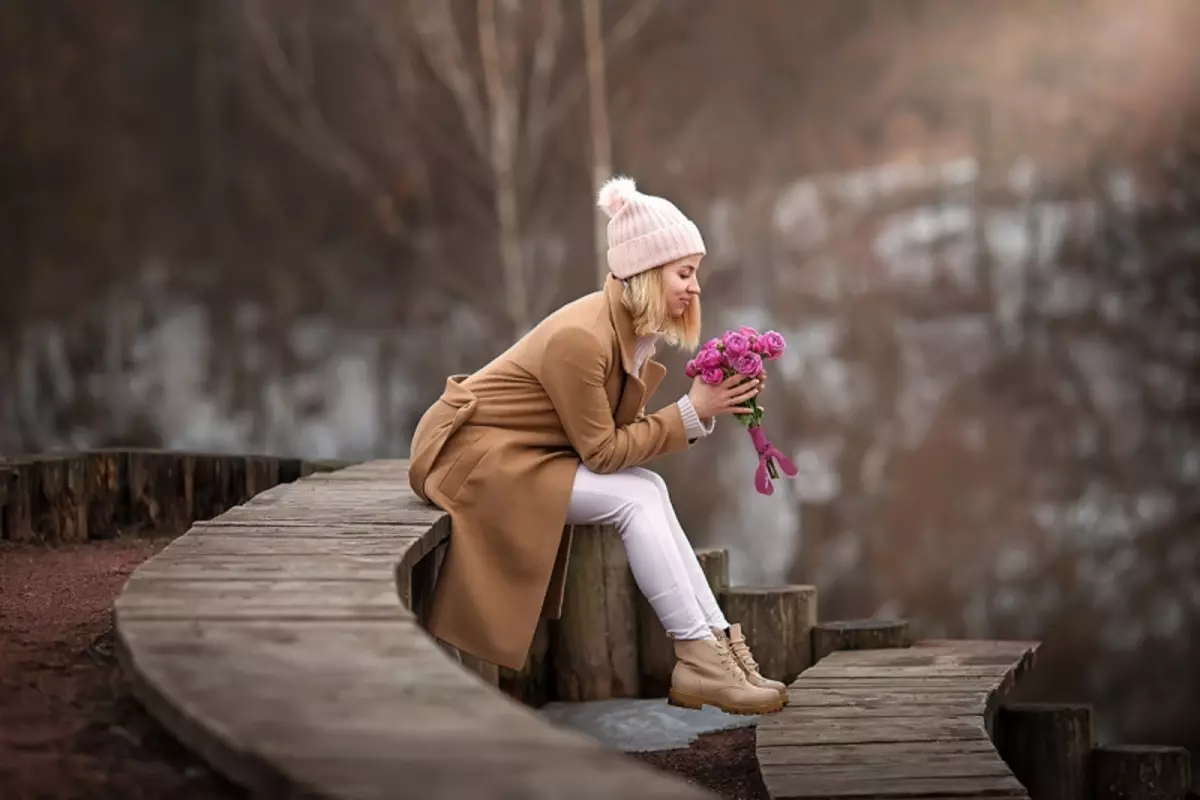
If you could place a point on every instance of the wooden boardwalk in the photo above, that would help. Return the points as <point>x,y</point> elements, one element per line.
<point>903,723</point>
<point>272,641</point>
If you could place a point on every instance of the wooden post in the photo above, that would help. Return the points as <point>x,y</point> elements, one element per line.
<point>1048,747</point>
<point>1140,772</point>
<point>107,498</point>
<point>594,643</point>
<point>160,492</point>
<point>17,522</point>
<point>858,634</point>
<point>534,684</point>
<point>219,484</point>
<point>262,473</point>
<point>777,622</point>
<point>58,498</point>
<point>656,653</point>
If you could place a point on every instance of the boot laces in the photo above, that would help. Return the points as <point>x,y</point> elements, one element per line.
<point>742,651</point>
<point>728,660</point>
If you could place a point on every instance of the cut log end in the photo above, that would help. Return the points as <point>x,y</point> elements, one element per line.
<point>777,622</point>
<point>1048,747</point>
<point>858,634</point>
<point>656,653</point>
<point>594,643</point>
<point>1141,772</point>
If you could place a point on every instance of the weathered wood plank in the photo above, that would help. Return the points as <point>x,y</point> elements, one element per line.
<point>865,731</point>
<point>274,642</point>
<point>789,787</point>
<point>903,722</point>
<point>883,753</point>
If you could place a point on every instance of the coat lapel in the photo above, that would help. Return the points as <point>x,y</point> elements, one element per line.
<point>634,389</point>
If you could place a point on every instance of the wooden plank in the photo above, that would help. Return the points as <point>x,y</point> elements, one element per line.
<point>910,683</point>
<point>801,696</point>
<point>169,598</point>
<point>288,546</point>
<point>815,713</point>
<point>336,530</point>
<point>823,670</point>
<point>968,765</point>
<point>304,566</point>
<point>356,710</point>
<point>884,753</point>
<point>866,784</point>
<point>864,731</point>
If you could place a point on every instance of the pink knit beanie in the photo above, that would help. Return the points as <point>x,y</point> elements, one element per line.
<point>644,231</point>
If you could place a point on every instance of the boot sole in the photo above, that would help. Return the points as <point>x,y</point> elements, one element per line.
<point>694,703</point>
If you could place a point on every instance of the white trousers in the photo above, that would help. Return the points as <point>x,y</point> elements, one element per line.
<point>663,562</point>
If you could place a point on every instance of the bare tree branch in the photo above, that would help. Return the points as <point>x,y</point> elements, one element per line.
<point>545,56</point>
<point>499,71</point>
<point>439,39</point>
<point>621,36</point>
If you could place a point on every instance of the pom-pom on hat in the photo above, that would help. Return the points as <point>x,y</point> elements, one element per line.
<point>644,231</point>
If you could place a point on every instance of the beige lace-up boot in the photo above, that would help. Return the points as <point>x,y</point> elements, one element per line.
<point>706,673</point>
<point>745,659</point>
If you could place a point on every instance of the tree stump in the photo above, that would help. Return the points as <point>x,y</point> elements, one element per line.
<point>777,622</point>
<point>656,654</point>
<point>858,634</point>
<point>262,473</point>
<point>533,685</point>
<point>219,484</point>
<point>58,498</point>
<point>1048,747</point>
<point>17,523</point>
<point>107,499</point>
<point>160,491</point>
<point>1140,772</point>
<point>594,643</point>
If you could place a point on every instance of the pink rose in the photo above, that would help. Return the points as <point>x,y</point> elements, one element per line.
<point>692,369</point>
<point>771,345</point>
<point>749,364</point>
<point>710,359</point>
<point>713,344</point>
<point>713,375</point>
<point>748,332</point>
<point>736,343</point>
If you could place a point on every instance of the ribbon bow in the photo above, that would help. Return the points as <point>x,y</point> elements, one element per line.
<point>768,455</point>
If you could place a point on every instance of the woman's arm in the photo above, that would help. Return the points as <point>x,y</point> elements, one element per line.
<point>574,370</point>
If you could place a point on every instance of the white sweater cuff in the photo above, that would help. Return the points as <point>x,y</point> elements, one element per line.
<point>695,428</point>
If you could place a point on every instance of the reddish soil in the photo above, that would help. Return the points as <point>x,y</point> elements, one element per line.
<point>68,725</point>
<point>721,762</point>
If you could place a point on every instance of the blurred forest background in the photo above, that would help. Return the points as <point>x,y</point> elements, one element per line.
<point>275,226</point>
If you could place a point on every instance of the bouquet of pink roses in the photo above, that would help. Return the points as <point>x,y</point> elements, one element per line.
<point>742,352</point>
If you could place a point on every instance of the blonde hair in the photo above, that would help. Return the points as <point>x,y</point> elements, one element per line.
<point>646,302</point>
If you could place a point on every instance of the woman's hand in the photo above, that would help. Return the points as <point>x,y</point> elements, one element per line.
<point>726,397</point>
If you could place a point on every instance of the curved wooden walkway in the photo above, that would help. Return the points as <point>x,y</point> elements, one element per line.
<point>895,723</point>
<point>272,640</point>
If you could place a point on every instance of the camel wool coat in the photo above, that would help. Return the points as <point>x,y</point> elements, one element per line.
<point>499,451</point>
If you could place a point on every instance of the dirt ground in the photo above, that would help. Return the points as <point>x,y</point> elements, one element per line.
<point>69,727</point>
<point>722,762</point>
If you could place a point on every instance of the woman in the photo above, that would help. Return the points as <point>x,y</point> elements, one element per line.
<point>554,432</point>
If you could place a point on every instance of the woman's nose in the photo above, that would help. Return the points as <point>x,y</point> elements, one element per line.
<point>694,288</point>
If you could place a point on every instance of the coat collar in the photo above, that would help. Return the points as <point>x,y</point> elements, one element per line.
<point>622,322</point>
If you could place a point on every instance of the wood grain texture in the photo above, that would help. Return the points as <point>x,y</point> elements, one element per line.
<point>656,651</point>
<point>777,622</point>
<point>1049,747</point>
<point>1141,772</point>
<point>911,722</point>
<point>594,643</point>
<point>273,642</point>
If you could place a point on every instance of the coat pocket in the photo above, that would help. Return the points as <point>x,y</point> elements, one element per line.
<point>466,461</point>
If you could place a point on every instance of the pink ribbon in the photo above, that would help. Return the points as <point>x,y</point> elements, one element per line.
<point>766,453</point>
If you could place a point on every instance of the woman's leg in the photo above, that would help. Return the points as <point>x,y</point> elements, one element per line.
<point>696,577</point>
<point>634,505</point>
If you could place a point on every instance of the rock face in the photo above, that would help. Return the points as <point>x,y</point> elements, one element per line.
<point>641,726</point>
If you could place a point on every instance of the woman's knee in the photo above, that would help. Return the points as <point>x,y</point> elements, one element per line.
<point>656,480</point>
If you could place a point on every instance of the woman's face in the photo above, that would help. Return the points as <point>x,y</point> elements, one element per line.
<point>681,285</point>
